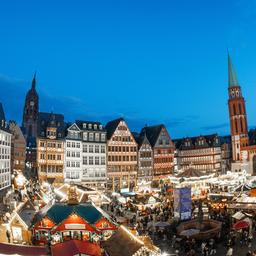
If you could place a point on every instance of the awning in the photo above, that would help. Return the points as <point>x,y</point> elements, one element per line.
<point>238,215</point>
<point>241,225</point>
<point>76,247</point>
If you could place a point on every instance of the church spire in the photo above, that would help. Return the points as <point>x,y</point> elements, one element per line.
<point>232,78</point>
<point>34,82</point>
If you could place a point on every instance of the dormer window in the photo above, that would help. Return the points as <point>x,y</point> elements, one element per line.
<point>95,127</point>
<point>84,125</point>
<point>90,126</point>
<point>100,127</point>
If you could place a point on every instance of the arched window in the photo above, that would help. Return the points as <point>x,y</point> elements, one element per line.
<point>234,109</point>
<point>236,126</point>
<point>241,123</point>
<point>240,108</point>
<point>238,156</point>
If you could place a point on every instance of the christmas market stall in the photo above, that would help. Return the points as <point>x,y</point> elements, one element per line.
<point>67,221</point>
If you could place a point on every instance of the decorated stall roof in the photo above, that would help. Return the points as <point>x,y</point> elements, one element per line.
<point>60,211</point>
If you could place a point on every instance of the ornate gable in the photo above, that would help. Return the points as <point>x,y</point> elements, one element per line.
<point>74,127</point>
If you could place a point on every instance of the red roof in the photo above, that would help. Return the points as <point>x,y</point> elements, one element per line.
<point>73,247</point>
<point>23,250</point>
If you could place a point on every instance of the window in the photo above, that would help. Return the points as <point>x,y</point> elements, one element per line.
<point>97,160</point>
<point>103,149</point>
<point>84,159</point>
<point>68,153</point>
<point>85,136</point>
<point>59,145</point>
<point>234,109</point>
<point>90,160</point>
<point>97,136</point>
<point>84,125</point>
<point>73,144</point>
<point>103,137</point>
<point>73,154</point>
<point>90,136</point>
<point>58,157</point>
<point>97,148</point>
<point>78,145</point>
<point>77,164</point>
<point>68,144</point>
<point>77,154</point>
<point>90,148</point>
<point>103,160</point>
<point>84,148</point>
<point>95,127</point>
<point>90,126</point>
<point>73,164</point>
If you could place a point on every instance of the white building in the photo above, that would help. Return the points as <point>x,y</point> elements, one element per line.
<point>85,154</point>
<point>5,152</point>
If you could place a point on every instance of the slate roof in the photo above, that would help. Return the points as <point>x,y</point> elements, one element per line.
<point>59,212</point>
<point>152,133</point>
<point>140,138</point>
<point>80,123</point>
<point>111,127</point>
<point>2,115</point>
<point>3,125</point>
<point>209,142</point>
<point>50,120</point>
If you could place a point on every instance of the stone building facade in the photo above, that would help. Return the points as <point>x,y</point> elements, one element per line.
<point>85,156</point>
<point>5,152</point>
<point>50,147</point>
<point>122,155</point>
<point>18,147</point>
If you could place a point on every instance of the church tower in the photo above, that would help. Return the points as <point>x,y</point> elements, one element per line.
<point>237,114</point>
<point>30,112</point>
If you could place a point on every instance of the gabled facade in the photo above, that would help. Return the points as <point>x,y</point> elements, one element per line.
<point>122,155</point>
<point>145,158</point>
<point>5,152</point>
<point>50,147</point>
<point>85,156</point>
<point>163,150</point>
<point>18,149</point>
<point>201,153</point>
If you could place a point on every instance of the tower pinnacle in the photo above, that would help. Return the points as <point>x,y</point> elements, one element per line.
<point>232,78</point>
<point>34,81</point>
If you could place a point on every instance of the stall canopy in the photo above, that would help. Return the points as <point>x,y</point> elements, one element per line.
<point>241,224</point>
<point>76,247</point>
<point>238,215</point>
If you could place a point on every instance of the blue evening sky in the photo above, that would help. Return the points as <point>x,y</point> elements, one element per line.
<point>148,61</point>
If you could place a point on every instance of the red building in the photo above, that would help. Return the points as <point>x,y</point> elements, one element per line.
<point>64,222</point>
<point>237,116</point>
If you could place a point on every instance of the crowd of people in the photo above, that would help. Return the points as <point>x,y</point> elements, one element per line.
<point>159,223</point>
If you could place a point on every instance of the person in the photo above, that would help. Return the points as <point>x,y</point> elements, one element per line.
<point>230,252</point>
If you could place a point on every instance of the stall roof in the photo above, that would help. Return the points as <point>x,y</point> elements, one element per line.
<point>76,247</point>
<point>22,250</point>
